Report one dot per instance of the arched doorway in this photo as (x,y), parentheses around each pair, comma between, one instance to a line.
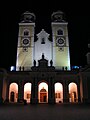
(58,92)
(27,92)
(43,93)
(73,96)
(13,92)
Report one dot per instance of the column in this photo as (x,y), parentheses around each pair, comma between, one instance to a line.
(1,89)
(20,91)
(78,88)
(51,91)
(7,92)
(85,91)
(65,91)
(34,92)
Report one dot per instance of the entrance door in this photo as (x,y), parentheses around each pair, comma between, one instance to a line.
(43,97)
(12,95)
(43,93)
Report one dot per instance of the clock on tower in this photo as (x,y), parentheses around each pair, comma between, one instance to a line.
(61,56)
(60,42)
(25,48)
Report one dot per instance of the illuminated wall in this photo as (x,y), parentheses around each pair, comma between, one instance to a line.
(61,55)
(25,48)
(30,49)
(43,46)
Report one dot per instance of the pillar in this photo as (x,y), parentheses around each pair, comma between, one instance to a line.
(20,91)
(51,91)
(78,88)
(65,91)
(1,89)
(85,91)
(34,92)
(7,92)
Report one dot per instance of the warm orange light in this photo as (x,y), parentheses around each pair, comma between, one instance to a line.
(43,85)
(13,87)
(72,87)
(58,87)
(27,87)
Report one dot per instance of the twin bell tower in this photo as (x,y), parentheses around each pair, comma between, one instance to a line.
(30,49)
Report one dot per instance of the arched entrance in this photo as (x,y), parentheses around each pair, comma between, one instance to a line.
(27,92)
(13,92)
(58,92)
(43,93)
(73,96)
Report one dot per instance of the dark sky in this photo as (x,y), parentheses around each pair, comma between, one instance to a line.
(77,16)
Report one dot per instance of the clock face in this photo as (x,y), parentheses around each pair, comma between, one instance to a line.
(25,42)
(60,41)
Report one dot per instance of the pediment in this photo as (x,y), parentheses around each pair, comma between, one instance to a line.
(42,33)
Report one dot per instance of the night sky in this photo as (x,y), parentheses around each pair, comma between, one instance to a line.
(77,15)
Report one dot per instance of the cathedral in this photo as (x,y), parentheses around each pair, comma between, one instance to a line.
(43,73)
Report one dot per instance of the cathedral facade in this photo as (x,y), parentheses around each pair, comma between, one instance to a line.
(29,49)
(43,72)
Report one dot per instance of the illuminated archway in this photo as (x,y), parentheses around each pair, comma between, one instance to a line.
(73,95)
(27,92)
(13,92)
(58,92)
(43,93)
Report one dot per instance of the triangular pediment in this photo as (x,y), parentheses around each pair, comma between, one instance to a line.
(42,34)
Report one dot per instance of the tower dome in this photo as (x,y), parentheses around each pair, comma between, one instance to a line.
(28,17)
(57,16)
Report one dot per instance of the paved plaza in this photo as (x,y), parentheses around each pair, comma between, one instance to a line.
(45,112)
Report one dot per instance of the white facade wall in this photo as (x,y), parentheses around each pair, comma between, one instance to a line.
(45,48)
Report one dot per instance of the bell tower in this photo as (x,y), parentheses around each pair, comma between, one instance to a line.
(25,46)
(61,55)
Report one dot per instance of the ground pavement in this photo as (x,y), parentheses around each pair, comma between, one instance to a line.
(45,112)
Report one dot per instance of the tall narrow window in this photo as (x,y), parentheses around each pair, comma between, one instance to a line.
(26,33)
(43,41)
(60,32)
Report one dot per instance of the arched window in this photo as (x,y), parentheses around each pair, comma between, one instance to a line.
(60,32)
(73,94)
(43,40)
(27,92)
(26,33)
(58,92)
(13,92)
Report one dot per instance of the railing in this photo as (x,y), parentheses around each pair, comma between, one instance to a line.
(23,68)
(26,68)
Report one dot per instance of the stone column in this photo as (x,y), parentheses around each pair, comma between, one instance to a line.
(3,76)
(1,89)
(85,91)
(65,91)
(7,92)
(51,91)
(78,89)
(34,92)
(20,91)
